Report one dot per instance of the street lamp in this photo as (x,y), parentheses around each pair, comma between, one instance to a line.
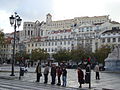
(16,21)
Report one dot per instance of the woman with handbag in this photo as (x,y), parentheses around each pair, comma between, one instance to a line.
(38,71)
(80,76)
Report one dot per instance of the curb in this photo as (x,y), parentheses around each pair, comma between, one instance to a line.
(9,77)
(16,71)
(118,72)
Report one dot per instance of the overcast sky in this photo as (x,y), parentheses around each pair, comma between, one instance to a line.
(32,10)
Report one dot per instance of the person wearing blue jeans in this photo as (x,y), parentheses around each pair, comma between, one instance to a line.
(64,77)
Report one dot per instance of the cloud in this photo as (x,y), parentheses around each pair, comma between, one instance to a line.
(64,9)
(29,10)
(112,8)
(4,21)
(32,10)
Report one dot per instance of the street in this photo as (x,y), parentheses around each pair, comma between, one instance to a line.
(23,85)
(107,80)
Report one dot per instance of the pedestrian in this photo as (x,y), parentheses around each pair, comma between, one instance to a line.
(53,74)
(96,69)
(59,73)
(46,72)
(80,76)
(21,74)
(87,73)
(38,71)
(64,76)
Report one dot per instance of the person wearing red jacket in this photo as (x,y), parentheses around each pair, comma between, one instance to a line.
(59,73)
(80,76)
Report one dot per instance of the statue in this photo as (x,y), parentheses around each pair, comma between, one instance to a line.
(112,62)
(114,54)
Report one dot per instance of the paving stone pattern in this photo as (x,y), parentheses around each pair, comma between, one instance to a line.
(107,80)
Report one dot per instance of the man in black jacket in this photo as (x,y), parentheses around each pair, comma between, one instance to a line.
(53,74)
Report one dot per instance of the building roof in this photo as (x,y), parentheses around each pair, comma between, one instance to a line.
(113,30)
(98,23)
(49,14)
(114,22)
(8,40)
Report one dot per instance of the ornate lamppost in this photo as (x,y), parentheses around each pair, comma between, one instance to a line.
(16,22)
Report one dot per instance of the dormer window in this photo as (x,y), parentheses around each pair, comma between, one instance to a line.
(108,33)
(103,34)
(114,33)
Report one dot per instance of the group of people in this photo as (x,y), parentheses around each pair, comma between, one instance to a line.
(57,71)
(81,75)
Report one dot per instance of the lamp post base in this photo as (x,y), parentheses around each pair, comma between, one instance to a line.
(12,74)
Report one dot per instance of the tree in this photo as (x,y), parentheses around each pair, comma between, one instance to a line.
(102,53)
(1,43)
(21,57)
(78,54)
(39,54)
(62,55)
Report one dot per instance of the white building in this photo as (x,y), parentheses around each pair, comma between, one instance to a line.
(111,37)
(6,51)
(66,34)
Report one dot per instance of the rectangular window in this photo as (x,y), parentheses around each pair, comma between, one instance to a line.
(103,40)
(48,49)
(64,37)
(60,43)
(114,39)
(64,42)
(119,39)
(28,45)
(43,43)
(56,37)
(49,43)
(108,39)
(28,32)
(36,44)
(55,43)
(52,50)
(61,37)
(52,43)
(28,50)
(28,24)
(32,45)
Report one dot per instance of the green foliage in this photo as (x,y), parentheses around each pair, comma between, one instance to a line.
(1,44)
(62,55)
(102,53)
(78,54)
(21,55)
(1,38)
(39,54)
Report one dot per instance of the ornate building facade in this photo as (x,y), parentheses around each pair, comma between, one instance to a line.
(87,32)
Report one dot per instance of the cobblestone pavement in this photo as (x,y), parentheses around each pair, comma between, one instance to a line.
(23,85)
(108,80)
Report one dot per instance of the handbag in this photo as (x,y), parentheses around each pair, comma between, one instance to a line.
(82,81)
